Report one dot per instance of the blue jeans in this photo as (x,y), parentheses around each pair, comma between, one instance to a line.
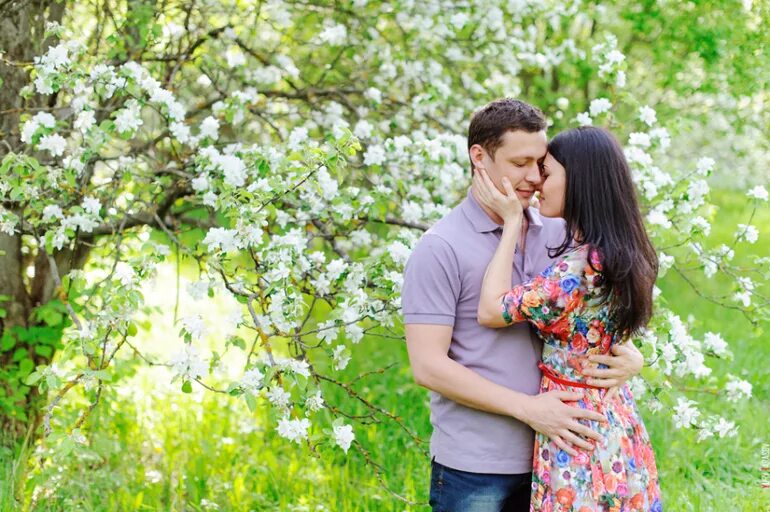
(452,490)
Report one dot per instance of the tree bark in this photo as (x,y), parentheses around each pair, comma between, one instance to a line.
(22,27)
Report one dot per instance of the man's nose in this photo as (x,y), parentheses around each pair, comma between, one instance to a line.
(533,174)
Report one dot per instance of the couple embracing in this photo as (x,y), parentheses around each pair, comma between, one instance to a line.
(518,320)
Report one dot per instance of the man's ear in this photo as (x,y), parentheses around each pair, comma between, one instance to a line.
(477,154)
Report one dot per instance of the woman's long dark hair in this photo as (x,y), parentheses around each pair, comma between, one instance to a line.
(601,207)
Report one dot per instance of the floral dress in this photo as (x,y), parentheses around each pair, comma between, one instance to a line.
(564,303)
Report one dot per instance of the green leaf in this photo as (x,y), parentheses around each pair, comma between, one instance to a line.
(237,341)
(26,366)
(20,354)
(44,350)
(251,401)
(132,329)
(52,381)
(102,374)
(32,378)
(187,387)
(7,342)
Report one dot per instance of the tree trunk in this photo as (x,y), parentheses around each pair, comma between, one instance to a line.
(22,26)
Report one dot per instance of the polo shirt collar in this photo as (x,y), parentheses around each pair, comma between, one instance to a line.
(482,223)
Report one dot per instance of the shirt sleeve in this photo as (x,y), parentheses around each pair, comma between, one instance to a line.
(551,296)
(431,286)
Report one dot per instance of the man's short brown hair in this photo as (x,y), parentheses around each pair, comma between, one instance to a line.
(490,122)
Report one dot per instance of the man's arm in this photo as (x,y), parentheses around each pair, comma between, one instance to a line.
(428,347)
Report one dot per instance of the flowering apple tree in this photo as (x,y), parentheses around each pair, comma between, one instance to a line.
(295,151)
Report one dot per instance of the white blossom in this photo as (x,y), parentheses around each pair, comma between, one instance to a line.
(737,389)
(704,433)
(296,366)
(373,94)
(293,430)
(665,262)
(363,129)
(335,34)
(715,343)
(128,119)
(343,436)
(374,155)
(52,211)
(758,192)
(458,20)
(91,205)
(194,326)
(584,119)
(341,357)
(659,218)
(200,183)
(647,115)
(233,168)
(279,397)
(252,380)
(329,186)
(639,139)
(685,414)
(125,273)
(354,332)
(85,120)
(599,106)
(327,331)
(180,131)
(620,79)
(725,428)
(399,252)
(209,128)
(235,57)
(53,143)
(188,364)
(335,268)
(701,224)
(705,165)
(314,402)
(222,239)
(661,134)
(748,233)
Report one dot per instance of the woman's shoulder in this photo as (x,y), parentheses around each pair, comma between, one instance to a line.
(581,261)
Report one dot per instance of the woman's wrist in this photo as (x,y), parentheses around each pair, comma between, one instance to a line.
(513,219)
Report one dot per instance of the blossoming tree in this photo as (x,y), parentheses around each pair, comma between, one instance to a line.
(295,151)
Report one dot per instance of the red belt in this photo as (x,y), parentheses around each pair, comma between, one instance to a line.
(552,375)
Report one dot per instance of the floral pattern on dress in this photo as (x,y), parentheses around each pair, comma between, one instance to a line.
(565,304)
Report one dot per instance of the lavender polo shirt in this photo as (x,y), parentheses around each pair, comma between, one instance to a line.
(442,281)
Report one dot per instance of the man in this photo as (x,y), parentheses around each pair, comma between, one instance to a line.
(484,382)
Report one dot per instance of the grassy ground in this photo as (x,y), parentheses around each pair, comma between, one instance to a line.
(155,448)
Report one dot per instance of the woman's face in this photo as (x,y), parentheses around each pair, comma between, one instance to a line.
(552,188)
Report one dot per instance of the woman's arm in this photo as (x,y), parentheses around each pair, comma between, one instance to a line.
(497,279)
(548,299)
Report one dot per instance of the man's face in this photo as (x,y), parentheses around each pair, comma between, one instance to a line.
(518,158)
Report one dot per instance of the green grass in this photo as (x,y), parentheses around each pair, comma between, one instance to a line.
(206,446)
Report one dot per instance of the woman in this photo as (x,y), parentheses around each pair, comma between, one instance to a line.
(598,292)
